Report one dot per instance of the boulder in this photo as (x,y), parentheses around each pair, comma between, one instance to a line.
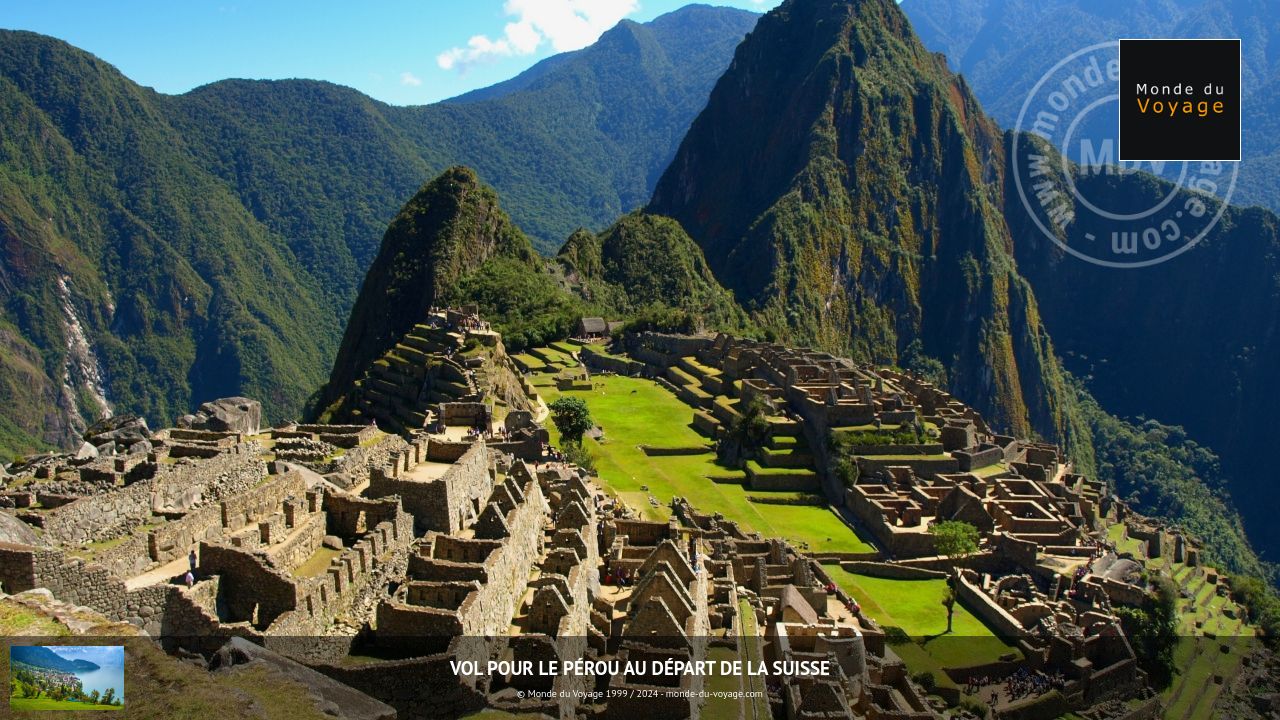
(123,430)
(86,452)
(340,479)
(331,697)
(142,446)
(13,530)
(312,478)
(333,542)
(232,414)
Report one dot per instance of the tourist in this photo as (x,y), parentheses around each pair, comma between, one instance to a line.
(189,579)
(191,558)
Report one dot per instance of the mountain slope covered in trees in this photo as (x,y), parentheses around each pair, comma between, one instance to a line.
(854,210)
(160,251)
(868,208)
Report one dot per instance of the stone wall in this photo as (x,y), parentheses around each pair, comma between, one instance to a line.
(300,544)
(164,611)
(892,571)
(896,543)
(610,363)
(352,578)
(981,605)
(447,452)
(171,540)
(424,688)
(72,580)
(359,461)
(229,472)
(129,558)
(488,608)
(249,507)
(100,517)
(979,458)
(109,515)
(443,504)
(249,589)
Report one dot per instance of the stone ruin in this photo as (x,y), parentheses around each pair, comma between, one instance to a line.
(454,539)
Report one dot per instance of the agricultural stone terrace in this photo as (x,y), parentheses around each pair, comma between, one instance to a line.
(379,559)
(450,357)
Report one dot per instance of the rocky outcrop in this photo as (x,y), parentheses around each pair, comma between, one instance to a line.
(116,435)
(13,530)
(332,697)
(232,414)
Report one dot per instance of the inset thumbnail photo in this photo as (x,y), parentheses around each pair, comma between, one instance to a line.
(66,677)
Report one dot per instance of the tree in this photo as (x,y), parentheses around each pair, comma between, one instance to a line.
(955,540)
(747,432)
(108,695)
(94,697)
(1152,631)
(572,418)
(578,455)
(949,601)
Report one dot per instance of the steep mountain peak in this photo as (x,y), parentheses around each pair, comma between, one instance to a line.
(854,211)
(451,226)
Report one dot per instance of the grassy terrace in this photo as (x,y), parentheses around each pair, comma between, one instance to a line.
(17,619)
(1211,643)
(317,564)
(19,704)
(991,470)
(634,412)
(916,607)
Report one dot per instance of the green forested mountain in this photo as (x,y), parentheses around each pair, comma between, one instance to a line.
(159,251)
(452,244)
(853,210)
(1194,340)
(866,208)
(453,225)
(645,261)
(130,274)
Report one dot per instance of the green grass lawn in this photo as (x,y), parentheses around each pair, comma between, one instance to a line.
(916,607)
(44,703)
(990,470)
(634,412)
(532,363)
(317,564)
(18,619)
(1198,658)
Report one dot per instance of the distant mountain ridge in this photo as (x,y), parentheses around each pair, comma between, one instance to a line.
(159,251)
(42,657)
(1002,47)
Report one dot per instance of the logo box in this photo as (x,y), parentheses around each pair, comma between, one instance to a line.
(1179,100)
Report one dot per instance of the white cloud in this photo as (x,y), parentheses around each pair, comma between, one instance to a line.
(408,78)
(564,24)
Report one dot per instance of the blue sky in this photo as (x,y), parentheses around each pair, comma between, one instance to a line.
(402,52)
(104,655)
